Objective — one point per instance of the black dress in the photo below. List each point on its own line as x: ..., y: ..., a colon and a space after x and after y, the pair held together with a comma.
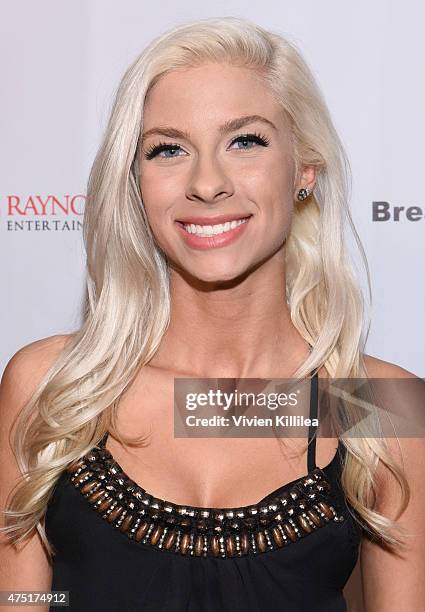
x: 119, y: 549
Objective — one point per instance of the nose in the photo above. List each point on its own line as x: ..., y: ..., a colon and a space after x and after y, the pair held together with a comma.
x: 209, y: 181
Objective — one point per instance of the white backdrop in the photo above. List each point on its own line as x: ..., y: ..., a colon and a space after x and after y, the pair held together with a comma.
x: 60, y: 65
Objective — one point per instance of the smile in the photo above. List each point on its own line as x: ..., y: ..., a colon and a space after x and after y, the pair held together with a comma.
x: 213, y: 230
x: 206, y: 237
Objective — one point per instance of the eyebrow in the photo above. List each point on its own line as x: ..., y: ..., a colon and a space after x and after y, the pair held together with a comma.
x: 228, y: 126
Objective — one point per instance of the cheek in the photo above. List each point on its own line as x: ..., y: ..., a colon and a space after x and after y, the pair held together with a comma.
x: 160, y: 186
x: 150, y: 187
x: 152, y: 203
x: 155, y: 197
x: 268, y: 183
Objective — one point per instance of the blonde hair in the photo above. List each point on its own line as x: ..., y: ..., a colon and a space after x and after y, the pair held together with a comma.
x: 127, y: 305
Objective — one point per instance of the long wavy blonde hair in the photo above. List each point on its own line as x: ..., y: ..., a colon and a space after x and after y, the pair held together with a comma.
x: 127, y: 304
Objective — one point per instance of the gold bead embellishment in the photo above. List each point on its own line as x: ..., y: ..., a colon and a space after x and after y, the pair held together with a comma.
x: 296, y: 511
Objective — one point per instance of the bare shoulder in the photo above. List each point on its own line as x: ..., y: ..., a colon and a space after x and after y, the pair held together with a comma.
x: 407, y: 451
x: 378, y: 368
x: 42, y: 350
x: 24, y: 372
x: 25, y: 567
x: 379, y: 566
x: 33, y: 359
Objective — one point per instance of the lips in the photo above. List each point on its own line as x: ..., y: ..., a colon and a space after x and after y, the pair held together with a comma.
x: 210, y: 240
x: 218, y: 219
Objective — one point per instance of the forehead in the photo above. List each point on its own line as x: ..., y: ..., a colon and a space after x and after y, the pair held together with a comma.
x: 201, y: 96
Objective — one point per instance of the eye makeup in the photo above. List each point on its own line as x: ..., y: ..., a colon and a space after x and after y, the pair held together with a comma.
x: 155, y: 150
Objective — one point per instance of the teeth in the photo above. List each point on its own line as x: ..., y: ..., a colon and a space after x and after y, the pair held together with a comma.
x: 212, y: 230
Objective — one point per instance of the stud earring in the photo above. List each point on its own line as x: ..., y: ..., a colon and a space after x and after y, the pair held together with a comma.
x: 303, y: 193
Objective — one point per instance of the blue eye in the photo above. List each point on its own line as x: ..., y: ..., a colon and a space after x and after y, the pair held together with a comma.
x: 172, y: 149
x: 250, y: 139
x: 163, y: 147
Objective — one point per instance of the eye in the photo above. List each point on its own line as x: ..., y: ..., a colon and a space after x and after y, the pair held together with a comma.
x: 247, y: 140
x: 172, y: 150
x: 163, y: 147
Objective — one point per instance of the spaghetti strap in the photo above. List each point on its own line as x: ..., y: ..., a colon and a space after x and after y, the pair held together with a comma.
x: 103, y: 440
x: 311, y: 449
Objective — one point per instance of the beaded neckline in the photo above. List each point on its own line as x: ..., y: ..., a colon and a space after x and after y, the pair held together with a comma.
x: 291, y: 512
x: 284, y: 516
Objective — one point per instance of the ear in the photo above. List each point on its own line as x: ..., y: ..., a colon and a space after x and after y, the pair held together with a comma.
x: 306, y: 178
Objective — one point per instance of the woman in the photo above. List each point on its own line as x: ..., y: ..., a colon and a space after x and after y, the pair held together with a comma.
x: 217, y: 123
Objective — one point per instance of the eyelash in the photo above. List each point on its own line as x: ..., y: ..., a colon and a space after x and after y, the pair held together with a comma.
x: 154, y: 150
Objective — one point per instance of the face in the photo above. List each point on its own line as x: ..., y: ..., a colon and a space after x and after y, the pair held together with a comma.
x: 216, y: 173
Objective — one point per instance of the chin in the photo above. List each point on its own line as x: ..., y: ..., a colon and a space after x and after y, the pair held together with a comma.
x: 216, y: 275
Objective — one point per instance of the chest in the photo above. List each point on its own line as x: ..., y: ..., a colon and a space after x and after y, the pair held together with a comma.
x: 209, y: 472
